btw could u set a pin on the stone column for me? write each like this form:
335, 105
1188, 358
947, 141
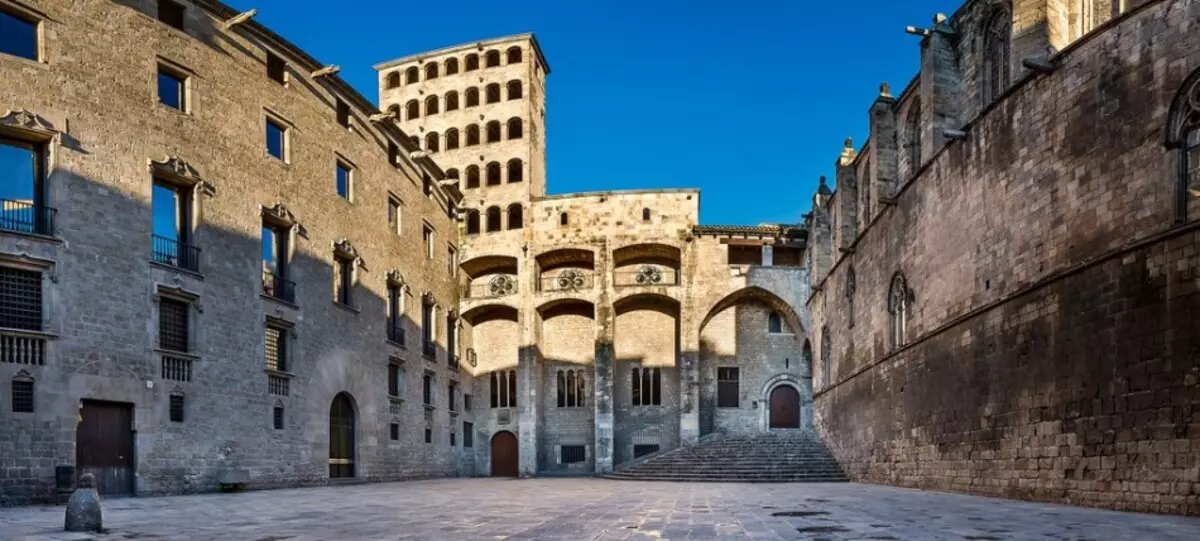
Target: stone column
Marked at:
884, 151
820, 236
941, 84
687, 358
605, 356
847, 197
528, 372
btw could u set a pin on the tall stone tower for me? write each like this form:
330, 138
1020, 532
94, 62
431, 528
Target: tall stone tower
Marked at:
479, 110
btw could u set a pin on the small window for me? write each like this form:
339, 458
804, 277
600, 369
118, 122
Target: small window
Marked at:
395, 211
412, 75
428, 435
514, 55
450, 401
472, 135
516, 170
393, 80
343, 281
431, 71
427, 235
727, 387
516, 216
344, 178
493, 93
472, 62
176, 408
643, 450
173, 328
343, 113
395, 431
276, 140
645, 215
468, 435
452, 262
276, 348
472, 176
467, 402
493, 59
493, 219
514, 90
514, 128
472, 222
452, 144
18, 35
452, 440
22, 396
277, 417
276, 68
393, 153
427, 389
395, 379
472, 95
170, 13
172, 89
774, 323
451, 66
572, 454
563, 219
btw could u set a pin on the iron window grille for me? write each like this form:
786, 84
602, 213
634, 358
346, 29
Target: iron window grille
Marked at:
643, 450
173, 325
277, 417
22, 396
572, 454
176, 408
276, 348
20, 299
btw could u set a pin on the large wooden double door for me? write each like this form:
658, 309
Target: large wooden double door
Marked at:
504, 455
104, 446
785, 407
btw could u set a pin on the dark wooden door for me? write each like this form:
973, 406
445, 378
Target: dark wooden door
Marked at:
341, 437
104, 446
504, 455
785, 407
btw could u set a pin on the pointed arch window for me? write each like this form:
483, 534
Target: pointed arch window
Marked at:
412, 110
851, 287
472, 222
1183, 135
472, 96
493, 174
898, 297
514, 128
826, 357
451, 101
514, 90
451, 139
997, 53
516, 170
515, 216
472, 135
912, 137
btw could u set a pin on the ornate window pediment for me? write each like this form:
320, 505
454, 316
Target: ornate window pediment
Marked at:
177, 170
395, 278
28, 125
344, 250
280, 215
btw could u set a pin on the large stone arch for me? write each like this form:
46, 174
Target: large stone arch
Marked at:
646, 340
757, 294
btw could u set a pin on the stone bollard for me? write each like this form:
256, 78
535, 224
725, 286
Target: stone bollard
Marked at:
83, 509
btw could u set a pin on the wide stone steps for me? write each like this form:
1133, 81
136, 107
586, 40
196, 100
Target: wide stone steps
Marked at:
781, 457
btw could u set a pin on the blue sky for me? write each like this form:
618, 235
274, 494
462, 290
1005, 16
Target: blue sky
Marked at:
748, 101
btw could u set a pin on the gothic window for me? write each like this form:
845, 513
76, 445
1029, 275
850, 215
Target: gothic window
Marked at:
851, 287
472, 176
493, 174
451, 144
493, 93
646, 386
516, 170
412, 110
472, 95
912, 137
472, 62
472, 135
997, 47
451, 101
473, 222
493, 59
504, 389
898, 310
393, 79
514, 128
431, 104
493, 219
826, 357
451, 66
493, 132
514, 55
515, 217
571, 389
1183, 134
514, 90
774, 323
431, 71
431, 141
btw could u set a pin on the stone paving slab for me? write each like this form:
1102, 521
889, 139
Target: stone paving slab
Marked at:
596, 509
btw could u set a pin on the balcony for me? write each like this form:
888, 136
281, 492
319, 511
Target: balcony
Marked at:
278, 385
26, 217
567, 280
500, 285
395, 331
20, 348
278, 287
176, 253
429, 349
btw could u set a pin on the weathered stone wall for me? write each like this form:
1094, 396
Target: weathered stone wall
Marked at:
1049, 354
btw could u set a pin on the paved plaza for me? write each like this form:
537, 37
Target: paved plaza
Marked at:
596, 509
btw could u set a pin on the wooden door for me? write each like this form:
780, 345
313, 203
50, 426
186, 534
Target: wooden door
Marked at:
504, 455
341, 437
785, 407
104, 446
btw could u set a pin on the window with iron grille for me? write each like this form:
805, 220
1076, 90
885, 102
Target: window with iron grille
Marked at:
22, 396
395, 429
468, 435
278, 418
428, 435
20, 299
727, 387
276, 348
572, 454
173, 325
643, 450
176, 408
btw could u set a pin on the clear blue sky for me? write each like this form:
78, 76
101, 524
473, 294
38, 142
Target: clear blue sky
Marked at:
747, 100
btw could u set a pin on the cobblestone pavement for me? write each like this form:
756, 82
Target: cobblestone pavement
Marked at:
596, 509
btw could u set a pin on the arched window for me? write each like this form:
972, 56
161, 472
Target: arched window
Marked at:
515, 216
412, 110
431, 105
997, 46
451, 173
431, 141
493, 132
493, 219
898, 310
851, 287
451, 66
472, 222
472, 62
393, 79
472, 135
451, 139
451, 101
514, 128
493, 58
774, 323
472, 95
431, 71
912, 137
472, 176
645, 215
493, 174
1183, 134
516, 170
394, 110
416, 141
412, 75
826, 357
504, 389
646, 386
493, 93
563, 219
514, 55
562, 389
514, 89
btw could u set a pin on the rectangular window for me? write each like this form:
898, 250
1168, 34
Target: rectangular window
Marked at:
277, 417
427, 389
20, 299
276, 68
176, 408
172, 88
171, 227
395, 321
452, 442
427, 236
572, 454
451, 390
277, 140
467, 402
276, 348
275, 263
343, 113
343, 178
170, 13
643, 450
395, 432
18, 35
428, 435
395, 383
452, 262
428, 332
727, 387
343, 281
745, 255
22, 396
393, 153
394, 214
173, 325
468, 435
22, 207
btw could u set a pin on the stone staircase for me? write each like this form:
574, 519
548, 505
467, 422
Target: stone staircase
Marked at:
780, 456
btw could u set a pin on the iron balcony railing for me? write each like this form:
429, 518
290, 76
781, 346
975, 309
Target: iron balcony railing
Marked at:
26, 217
429, 348
395, 331
176, 253
278, 287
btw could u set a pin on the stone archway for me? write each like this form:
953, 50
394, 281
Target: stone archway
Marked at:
505, 452
783, 407
801, 386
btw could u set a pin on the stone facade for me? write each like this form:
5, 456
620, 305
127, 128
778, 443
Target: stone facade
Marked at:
1004, 279
125, 103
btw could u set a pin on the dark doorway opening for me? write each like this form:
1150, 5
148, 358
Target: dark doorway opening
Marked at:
341, 437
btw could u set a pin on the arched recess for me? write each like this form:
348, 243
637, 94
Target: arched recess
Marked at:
495, 339
646, 338
566, 334
342, 433
489, 276
566, 269
646, 264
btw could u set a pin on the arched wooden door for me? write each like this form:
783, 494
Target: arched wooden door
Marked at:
341, 437
785, 407
504, 454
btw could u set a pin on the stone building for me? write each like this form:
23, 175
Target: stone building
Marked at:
1005, 278
220, 263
